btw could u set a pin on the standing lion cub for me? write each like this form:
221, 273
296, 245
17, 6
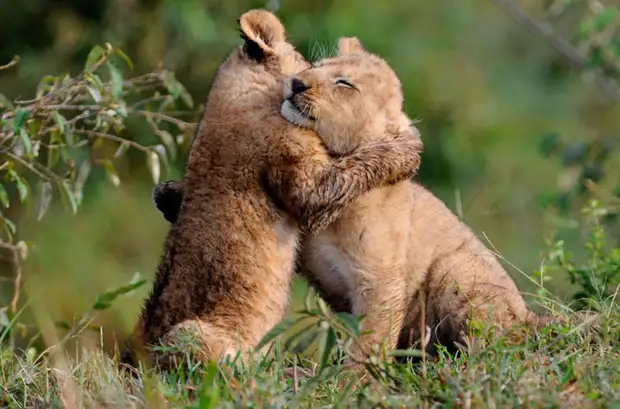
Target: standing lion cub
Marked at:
397, 255
229, 258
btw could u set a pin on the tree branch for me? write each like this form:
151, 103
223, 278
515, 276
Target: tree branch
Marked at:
12, 63
93, 134
572, 54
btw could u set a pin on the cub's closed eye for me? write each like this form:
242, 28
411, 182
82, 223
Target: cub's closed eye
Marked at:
345, 83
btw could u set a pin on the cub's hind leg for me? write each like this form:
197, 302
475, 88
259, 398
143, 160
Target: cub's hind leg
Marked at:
199, 339
471, 286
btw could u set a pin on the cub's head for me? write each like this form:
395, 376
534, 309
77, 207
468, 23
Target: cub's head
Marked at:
264, 55
348, 99
249, 82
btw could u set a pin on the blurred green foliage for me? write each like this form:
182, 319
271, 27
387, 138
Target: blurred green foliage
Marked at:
519, 131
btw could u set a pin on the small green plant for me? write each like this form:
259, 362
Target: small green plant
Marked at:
598, 279
330, 334
585, 34
329, 337
50, 143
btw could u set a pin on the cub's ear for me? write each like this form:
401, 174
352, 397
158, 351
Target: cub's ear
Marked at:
349, 45
260, 29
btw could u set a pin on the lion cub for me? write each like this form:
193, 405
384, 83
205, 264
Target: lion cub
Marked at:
398, 242
229, 258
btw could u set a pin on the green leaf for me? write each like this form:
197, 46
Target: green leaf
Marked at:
307, 299
64, 127
94, 79
121, 109
34, 126
153, 164
94, 93
104, 300
26, 141
130, 287
100, 305
21, 116
44, 84
9, 321
305, 340
549, 143
328, 344
596, 58
278, 330
293, 337
83, 173
52, 156
323, 307
124, 56
19, 122
597, 23
4, 197
351, 322
406, 353
22, 189
171, 83
604, 18
67, 194
187, 98
209, 392
161, 151
9, 224
175, 88
93, 58
168, 141
116, 80
101, 125
122, 148
110, 171
5, 103
67, 80
44, 198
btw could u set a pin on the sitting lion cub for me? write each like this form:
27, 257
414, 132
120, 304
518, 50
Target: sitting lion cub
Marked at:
398, 245
398, 255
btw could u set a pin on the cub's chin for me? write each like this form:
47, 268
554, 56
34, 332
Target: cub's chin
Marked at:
292, 114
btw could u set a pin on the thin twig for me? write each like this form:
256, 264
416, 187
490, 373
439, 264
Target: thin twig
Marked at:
572, 54
17, 283
181, 124
7, 246
93, 134
152, 99
68, 107
26, 164
13, 62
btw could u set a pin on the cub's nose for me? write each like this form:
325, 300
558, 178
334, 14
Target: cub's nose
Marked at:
298, 86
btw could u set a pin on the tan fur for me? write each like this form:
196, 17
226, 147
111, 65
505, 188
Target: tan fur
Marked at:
396, 242
398, 255
227, 263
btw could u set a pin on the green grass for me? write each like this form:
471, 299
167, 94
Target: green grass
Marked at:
576, 365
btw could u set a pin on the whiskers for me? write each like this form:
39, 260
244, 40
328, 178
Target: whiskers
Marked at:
322, 50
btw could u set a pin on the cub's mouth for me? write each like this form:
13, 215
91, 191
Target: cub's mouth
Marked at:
293, 113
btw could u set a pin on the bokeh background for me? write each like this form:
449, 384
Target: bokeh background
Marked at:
490, 98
